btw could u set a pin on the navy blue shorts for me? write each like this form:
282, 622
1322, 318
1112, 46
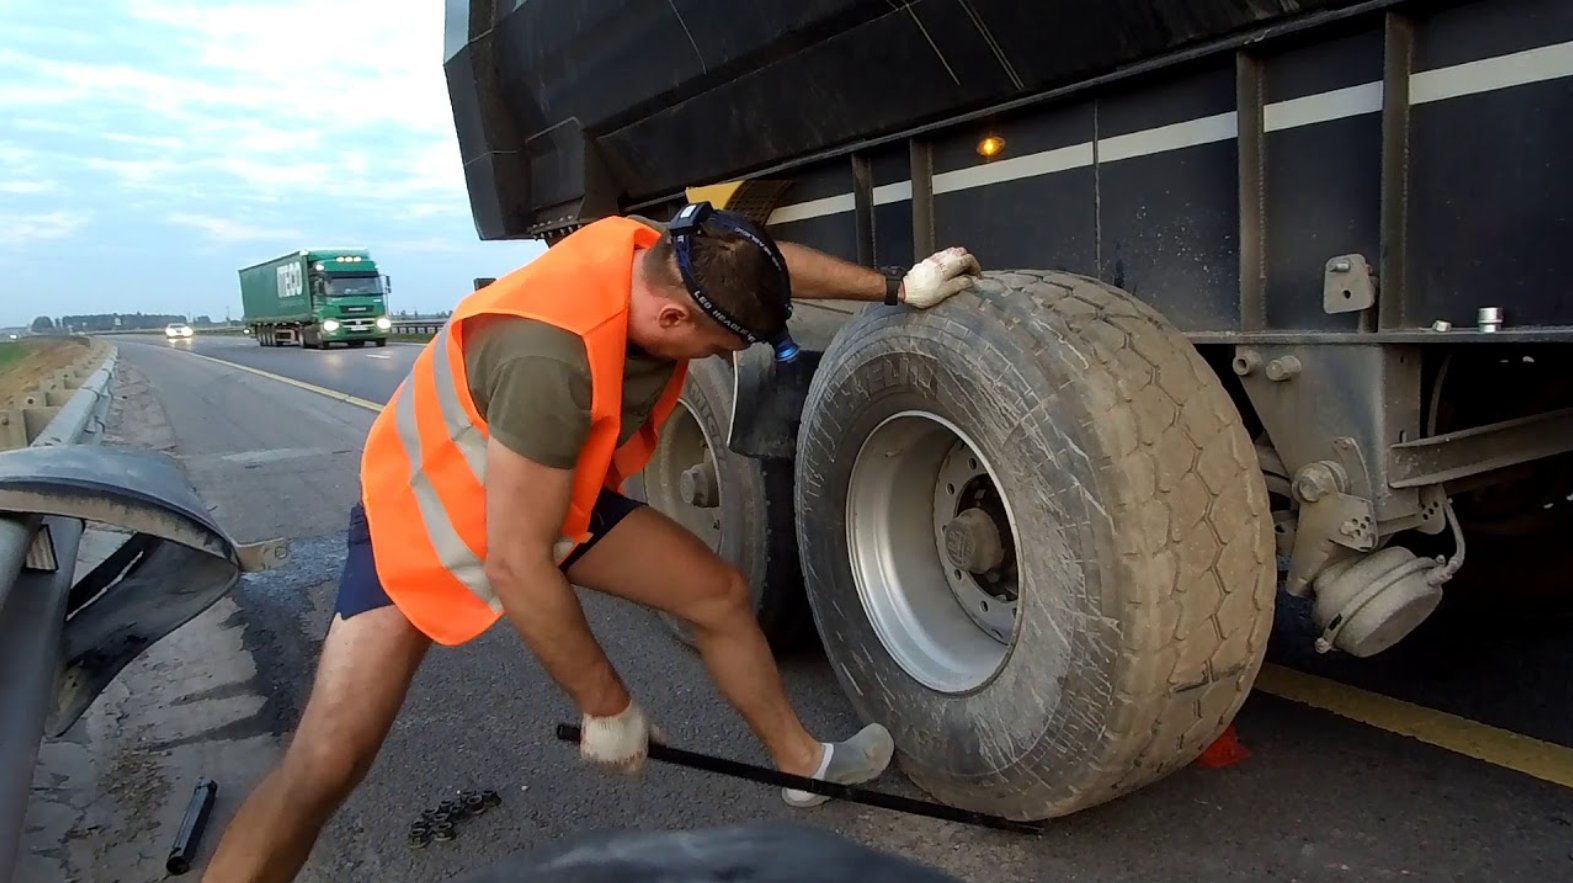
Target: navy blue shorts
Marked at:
360, 590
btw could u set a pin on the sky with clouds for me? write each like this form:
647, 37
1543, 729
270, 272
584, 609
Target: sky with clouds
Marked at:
151, 148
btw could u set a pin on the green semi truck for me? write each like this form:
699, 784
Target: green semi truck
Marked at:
316, 297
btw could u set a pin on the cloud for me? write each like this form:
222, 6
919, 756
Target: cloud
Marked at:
261, 96
230, 230
26, 187
21, 171
218, 129
20, 229
429, 245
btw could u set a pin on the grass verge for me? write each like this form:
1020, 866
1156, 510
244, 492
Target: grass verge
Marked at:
26, 363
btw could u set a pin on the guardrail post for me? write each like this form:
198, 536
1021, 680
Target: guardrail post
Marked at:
31, 620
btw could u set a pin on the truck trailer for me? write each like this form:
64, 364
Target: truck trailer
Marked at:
1277, 310
316, 297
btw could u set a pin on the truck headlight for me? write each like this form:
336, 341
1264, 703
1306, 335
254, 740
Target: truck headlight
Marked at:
384, 323
330, 325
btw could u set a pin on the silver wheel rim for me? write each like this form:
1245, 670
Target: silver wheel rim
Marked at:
912, 560
685, 450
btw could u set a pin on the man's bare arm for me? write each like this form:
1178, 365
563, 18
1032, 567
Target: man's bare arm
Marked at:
819, 276
525, 506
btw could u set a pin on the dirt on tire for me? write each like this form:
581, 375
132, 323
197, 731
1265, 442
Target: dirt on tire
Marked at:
1146, 545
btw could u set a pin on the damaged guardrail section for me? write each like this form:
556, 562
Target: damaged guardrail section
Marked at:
63, 635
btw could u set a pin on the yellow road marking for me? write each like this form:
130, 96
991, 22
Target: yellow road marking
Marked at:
1503, 748
309, 387
1498, 747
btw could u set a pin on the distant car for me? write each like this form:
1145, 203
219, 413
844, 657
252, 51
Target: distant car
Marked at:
177, 329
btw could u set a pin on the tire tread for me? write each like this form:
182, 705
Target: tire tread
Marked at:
1179, 489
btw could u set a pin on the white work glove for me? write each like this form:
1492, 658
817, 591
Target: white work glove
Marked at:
619, 743
939, 276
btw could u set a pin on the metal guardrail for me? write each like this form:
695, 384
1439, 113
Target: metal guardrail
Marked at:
419, 326
32, 612
67, 631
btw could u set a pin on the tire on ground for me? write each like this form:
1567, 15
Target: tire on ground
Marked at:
1143, 539
750, 524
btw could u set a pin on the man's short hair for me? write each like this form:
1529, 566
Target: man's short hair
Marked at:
733, 272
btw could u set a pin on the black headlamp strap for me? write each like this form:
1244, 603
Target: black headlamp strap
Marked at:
689, 223
710, 307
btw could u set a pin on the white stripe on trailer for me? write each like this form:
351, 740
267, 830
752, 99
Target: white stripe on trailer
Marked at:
1177, 136
1324, 108
1493, 74
1033, 164
900, 191
1486, 75
817, 208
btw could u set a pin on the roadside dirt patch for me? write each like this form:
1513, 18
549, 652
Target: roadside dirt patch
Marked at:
24, 363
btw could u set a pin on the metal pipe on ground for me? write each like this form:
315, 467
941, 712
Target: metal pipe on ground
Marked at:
31, 622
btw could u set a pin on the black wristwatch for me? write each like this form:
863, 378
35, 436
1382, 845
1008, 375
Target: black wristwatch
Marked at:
893, 277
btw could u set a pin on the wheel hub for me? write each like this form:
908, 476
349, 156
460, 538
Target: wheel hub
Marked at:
972, 542
931, 546
699, 487
968, 512
681, 479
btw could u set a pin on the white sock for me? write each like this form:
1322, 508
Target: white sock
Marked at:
824, 764
824, 761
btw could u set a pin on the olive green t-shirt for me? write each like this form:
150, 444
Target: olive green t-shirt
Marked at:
531, 383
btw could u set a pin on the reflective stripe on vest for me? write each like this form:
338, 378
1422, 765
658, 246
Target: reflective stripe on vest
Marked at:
455, 556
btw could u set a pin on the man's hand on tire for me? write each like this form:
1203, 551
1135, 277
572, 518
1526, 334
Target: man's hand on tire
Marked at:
619, 743
938, 276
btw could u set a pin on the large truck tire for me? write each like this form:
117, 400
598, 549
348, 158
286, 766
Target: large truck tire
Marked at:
1073, 601
741, 507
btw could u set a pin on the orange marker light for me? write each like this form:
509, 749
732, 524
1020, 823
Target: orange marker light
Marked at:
991, 146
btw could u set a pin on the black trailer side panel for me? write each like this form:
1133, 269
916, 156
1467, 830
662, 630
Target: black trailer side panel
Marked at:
1050, 216
1492, 171
828, 229
646, 98
1324, 181
892, 217
1139, 183
1168, 208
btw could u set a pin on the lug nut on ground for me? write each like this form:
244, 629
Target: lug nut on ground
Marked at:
441, 821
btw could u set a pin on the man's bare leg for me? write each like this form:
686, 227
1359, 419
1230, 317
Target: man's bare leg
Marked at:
362, 677
652, 560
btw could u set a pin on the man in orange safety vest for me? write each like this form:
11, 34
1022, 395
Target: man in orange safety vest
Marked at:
490, 485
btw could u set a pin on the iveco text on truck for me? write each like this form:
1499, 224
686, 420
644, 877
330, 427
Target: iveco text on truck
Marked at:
316, 297
1278, 309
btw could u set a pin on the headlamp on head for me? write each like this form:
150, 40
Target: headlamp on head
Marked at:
689, 224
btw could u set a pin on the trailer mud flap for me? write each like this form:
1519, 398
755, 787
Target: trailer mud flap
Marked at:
174, 563
767, 402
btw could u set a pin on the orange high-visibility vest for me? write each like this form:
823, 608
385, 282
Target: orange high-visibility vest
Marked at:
423, 471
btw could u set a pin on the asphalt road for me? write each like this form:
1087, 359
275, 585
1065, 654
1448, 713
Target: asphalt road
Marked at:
370, 373
1321, 797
